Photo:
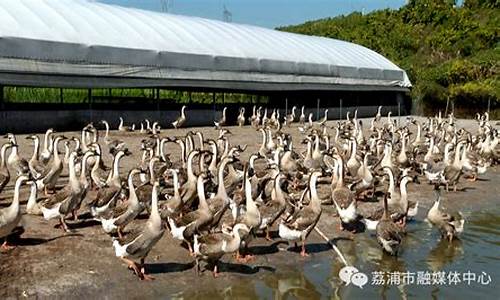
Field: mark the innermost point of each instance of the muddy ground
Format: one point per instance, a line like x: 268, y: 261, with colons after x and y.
x: 51, y: 263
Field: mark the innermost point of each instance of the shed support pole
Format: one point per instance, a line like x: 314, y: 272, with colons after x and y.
x: 89, y: 97
x: 317, y: 109
x: 2, y: 97
x: 340, y: 109
x: 61, y: 95
x: 399, y: 109
x: 158, y: 104
x: 286, y: 107
x: 213, y: 101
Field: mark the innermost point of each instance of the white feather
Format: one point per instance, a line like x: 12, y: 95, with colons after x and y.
x: 288, y: 234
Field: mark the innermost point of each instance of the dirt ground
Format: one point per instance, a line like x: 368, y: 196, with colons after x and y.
x: 50, y: 263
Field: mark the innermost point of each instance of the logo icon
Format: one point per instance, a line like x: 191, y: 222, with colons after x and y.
x: 350, y: 274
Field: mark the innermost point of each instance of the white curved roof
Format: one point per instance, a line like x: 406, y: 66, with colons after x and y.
x: 44, y: 41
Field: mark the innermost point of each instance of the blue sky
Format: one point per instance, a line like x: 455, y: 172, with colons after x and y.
x: 266, y: 13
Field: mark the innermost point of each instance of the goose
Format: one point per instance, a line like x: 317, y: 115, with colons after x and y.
x: 114, y: 176
x: 138, y: 243
x: 241, y: 117
x: 84, y: 182
x: 32, y: 206
x: 222, y: 120
x: 117, y: 218
x: 49, y: 179
x: 220, y: 202
x: 378, y: 116
x: 11, y: 215
x: 302, y: 118
x: 172, y: 207
x: 343, y: 198
x: 20, y: 165
x: 250, y: 217
x: 35, y: 165
x: 184, y: 227
x: 188, y: 190
x: 47, y: 146
x: 4, y: 171
x: 273, y: 209
x: 122, y: 127
x: 324, y: 119
x: 291, y: 117
x: 365, y: 177
x: 108, y: 194
x: 213, y: 246
x: 97, y: 174
x: 65, y: 200
x: 452, y: 173
x: 389, y: 235
x: 113, y: 145
x: 181, y: 119
x: 353, y: 163
x: 300, y: 225
x: 399, y: 206
x: 449, y: 225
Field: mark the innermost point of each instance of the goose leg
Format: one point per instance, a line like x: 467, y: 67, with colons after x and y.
x: 133, y: 266
x: 5, y: 246
x: 303, y: 253
x: 119, y: 231
x: 216, y: 274
x: 143, y: 272
x: 268, y: 236
x: 63, y: 224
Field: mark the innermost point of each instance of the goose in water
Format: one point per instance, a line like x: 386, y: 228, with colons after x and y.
x: 389, y: 235
x: 450, y: 225
x: 181, y: 119
x: 213, y: 246
x: 300, y: 225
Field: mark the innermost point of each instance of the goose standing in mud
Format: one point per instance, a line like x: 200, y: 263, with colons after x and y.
x: 138, y: 243
x: 11, y: 215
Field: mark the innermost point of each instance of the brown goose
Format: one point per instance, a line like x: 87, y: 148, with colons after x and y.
x: 343, y: 198
x: 181, y: 119
x: 11, y: 215
x: 117, y: 218
x: 389, y: 235
x: 64, y: 201
x: 35, y: 165
x: 273, y: 209
x: 241, y: 117
x: 251, y: 216
x: 211, y: 247
x: 173, y: 206
x: 4, y: 171
x: 48, y: 180
x: 222, y: 120
x: 19, y: 164
x: 449, y: 225
x: 184, y: 227
x: 220, y: 202
x: 300, y: 225
x: 138, y: 243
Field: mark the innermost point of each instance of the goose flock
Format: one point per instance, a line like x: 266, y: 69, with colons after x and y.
x: 214, y: 202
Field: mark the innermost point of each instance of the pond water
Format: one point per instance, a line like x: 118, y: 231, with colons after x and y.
x: 423, y: 251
